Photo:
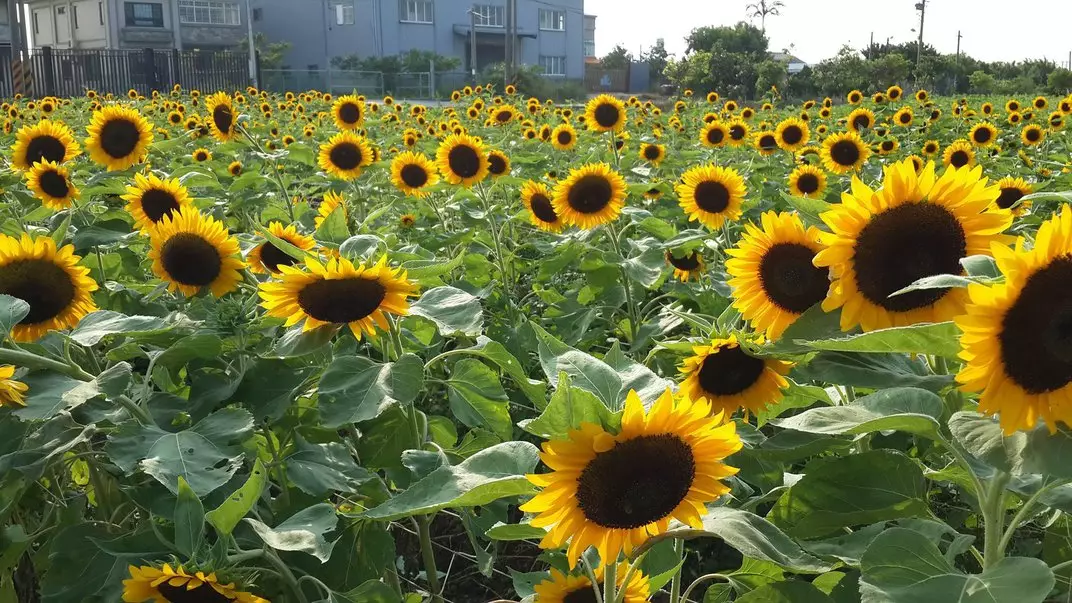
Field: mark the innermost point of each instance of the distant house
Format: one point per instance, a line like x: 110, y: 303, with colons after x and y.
x: 793, y: 64
x: 590, y: 39
x: 5, y: 22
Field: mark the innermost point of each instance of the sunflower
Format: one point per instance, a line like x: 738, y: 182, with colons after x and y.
x: 916, y: 225
x: 765, y: 142
x: 266, y: 257
x: 738, y: 130
x: 922, y: 95
x: 503, y: 114
x: 714, y: 134
x: 686, y: 266
x: 201, y: 155
x: 605, y: 113
x: 728, y: 377
x: 590, y: 195
x: 348, y: 112
x: 613, y: 491
x: 412, y: 173
x: 959, y: 154
x: 328, y: 205
x: 792, y: 134
x: 854, y: 97
x: 711, y: 194
x: 221, y: 116
x: 339, y: 292
x: 151, y: 199
x: 570, y: 588
x: 47, y: 140
x: 164, y: 585
x: 861, y: 119
x: 51, y: 183
x: 807, y: 181
x: 772, y: 275
x: 844, y: 152
x: 1012, y: 190
x: 345, y: 155
x: 1032, y: 135
x: 193, y: 252
x: 931, y: 148
x: 119, y: 137
x: 1040, y: 103
x: 652, y: 153
x: 49, y: 280
x: 542, y: 213
x: 407, y: 220
x: 888, y: 146
x: 983, y: 134
x: 894, y: 92
x: 498, y: 164
x: 12, y: 392
x: 903, y: 116
x: 1015, y: 344
x: 235, y: 168
x: 461, y: 160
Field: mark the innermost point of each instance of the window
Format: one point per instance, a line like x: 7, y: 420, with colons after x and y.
x: 144, y: 14
x: 554, y: 20
x: 209, y: 12
x: 74, y: 15
x: 416, y: 11
x: 344, y: 12
x: 258, y: 14
x: 490, y: 16
x: 100, y: 11
x: 36, y: 25
x: 589, y: 48
x: 553, y: 65
x: 61, y: 10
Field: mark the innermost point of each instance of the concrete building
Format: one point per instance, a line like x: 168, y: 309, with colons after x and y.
x: 550, y: 32
x: 590, y: 39
x: 178, y: 24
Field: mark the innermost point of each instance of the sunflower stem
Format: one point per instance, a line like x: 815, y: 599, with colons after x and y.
x: 1025, y: 510
x: 688, y: 591
x: 675, y: 582
x: 424, y: 522
x: 286, y: 575
x: 630, y: 306
x: 610, y: 581
x: 992, y: 506
x: 31, y: 360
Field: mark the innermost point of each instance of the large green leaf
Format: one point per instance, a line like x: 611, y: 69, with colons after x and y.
x: 304, y: 531
x: 794, y: 591
x: 206, y: 455
x: 871, y: 370
x: 226, y: 516
x: 569, y: 408
x: 98, y: 325
x: 902, y: 409
x: 318, y: 469
x: 941, y: 339
x: 903, y: 566
x: 361, y: 553
x: 269, y: 386
x: 585, y: 371
x: 333, y: 230
x: 477, y: 399
x: 356, y: 388
x: 636, y: 376
x: 87, y: 562
x: 202, y: 345
x: 189, y: 520
x: 758, y: 538
x: 859, y: 489
x: 452, y: 310
x: 982, y: 438
x: 489, y: 475
x: 12, y: 310
x: 489, y: 349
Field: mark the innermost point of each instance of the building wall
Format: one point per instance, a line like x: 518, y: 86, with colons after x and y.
x: 5, y: 27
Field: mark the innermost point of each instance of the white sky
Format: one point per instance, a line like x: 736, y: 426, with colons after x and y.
x: 992, y: 30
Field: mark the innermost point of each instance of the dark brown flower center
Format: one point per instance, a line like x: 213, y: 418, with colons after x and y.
x: 981, y: 135
x: 54, y: 184
x: 768, y: 142
x: 342, y: 300
x: 845, y: 153
x: 464, y: 161
x: 157, y: 203
x: 413, y: 175
x: 1036, y: 333
x: 223, y: 118
x: 584, y: 594
x: 273, y: 257
x: 45, y: 147
x: 565, y: 137
x: 497, y: 164
x: 503, y: 116
x: 190, y: 260
x: 861, y: 122
x: 607, y: 115
x: 712, y: 196
x: 792, y: 135
x: 902, y: 245
x: 738, y: 132
x: 687, y: 263
x: 1009, y: 197
x: 959, y: 158
x: 729, y: 370
x: 349, y: 113
x: 119, y: 138
x: 1033, y: 134
x: 45, y: 286
x: 201, y: 594
x: 808, y: 183
x: 888, y: 145
x: 790, y: 279
x: 543, y: 209
x: 636, y: 482
x: 346, y: 156
x: 590, y: 194
x: 651, y: 152
x: 715, y: 135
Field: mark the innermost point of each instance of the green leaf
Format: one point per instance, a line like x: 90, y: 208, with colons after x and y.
x: 226, y: 516
x: 980, y: 265
x: 636, y: 376
x: 51, y: 393
x: 794, y: 591
x: 12, y: 310
x: 876, y: 371
x: 859, y: 489
x: 452, y: 310
x: 333, y: 230
x: 318, y: 469
x: 269, y: 386
x: 384, y: 438
x: 356, y: 388
x: 569, y: 408
x: 59, y: 234
x: 906, y: 409
x: 512, y: 532
x: 982, y: 438
x: 206, y: 455
x: 189, y: 520
x: 937, y: 281
x: 757, y: 538
x: 296, y: 342
x: 477, y: 399
x: 98, y: 325
x: 281, y: 244
x: 301, y: 153
x: 903, y: 566
x: 87, y: 562
x: 489, y: 349
x: 203, y: 345
x: 809, y: 209
x: 360, y: 246
x: 361, y: 553
x: 646, y: 268
x: 373, y: 591
x: 428, y: 271
x: 585, y: 371
x: 304, y: 531
x: 941, y: 339
x: 489, y: 475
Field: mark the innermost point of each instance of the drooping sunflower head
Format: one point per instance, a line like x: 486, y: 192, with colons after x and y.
x: 498, y: 164
x: 1011, y: 191
x: 12, y: 392
x: 193, y: 252
x: 267, y: 257
x: 151, y: 199
x: 983, y: 134
x: 1032, y: 135
x: 686, y: 264
x: 542, y: 213
x: 50, y: 280
x: 605, y: 113
x: 150, y: 583
x: 413, y: 173
x: 339, y: 293
x: 614, y: 491
x: 772, y: 274
x: 51, y: 183
x: 844, y: 152
x: 221, y: 116
x: 47, y: 140
x: 119, y: 137
x: 711, y: 194
x: 348, y: 112
x: 731, y: 378
x: 564, y: 137
x: 959, y: 154
x: 714, y: 134
x: 792, y: 134
x: 461, y: 159
x: 807, y: 181
x: 589, y: 196
x: 917, y: 225
x: 652, y: 153
x: 576, y: 588
x: 345, y: 155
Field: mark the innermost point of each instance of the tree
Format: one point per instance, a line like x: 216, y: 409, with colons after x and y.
x: 617, y: 58
x: 982, y: 82
x: 771, y: 73
x: 271, y: 53
x: 762, y: 9
x: 721, y: 59
x: 1059, y: 81
x: 657, y: 59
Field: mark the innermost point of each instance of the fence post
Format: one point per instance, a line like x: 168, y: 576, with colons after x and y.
x: 257, y: 69
x: 431, y: 79
x: 151, y: 76
x: 48, y: 64
x: 176, y: 68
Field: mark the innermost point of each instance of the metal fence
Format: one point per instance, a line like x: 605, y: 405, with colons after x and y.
x: 336, y: 81
x: 70, y: 72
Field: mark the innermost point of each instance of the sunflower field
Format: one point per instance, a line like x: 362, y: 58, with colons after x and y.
x: 294, y: 348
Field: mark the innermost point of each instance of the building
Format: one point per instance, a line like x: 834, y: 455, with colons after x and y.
x: 792, y: 63
x: 177, y: 24
x: 6, y: 9
x: 550, y: 32
x: 590, y: 39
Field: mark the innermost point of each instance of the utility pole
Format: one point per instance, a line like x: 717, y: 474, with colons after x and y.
x: 252, y: 46
x: 472, y: 41
x: 870, y: 47
x: 515, y: 40
x: 957, y: 69
x: 921, y: 6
